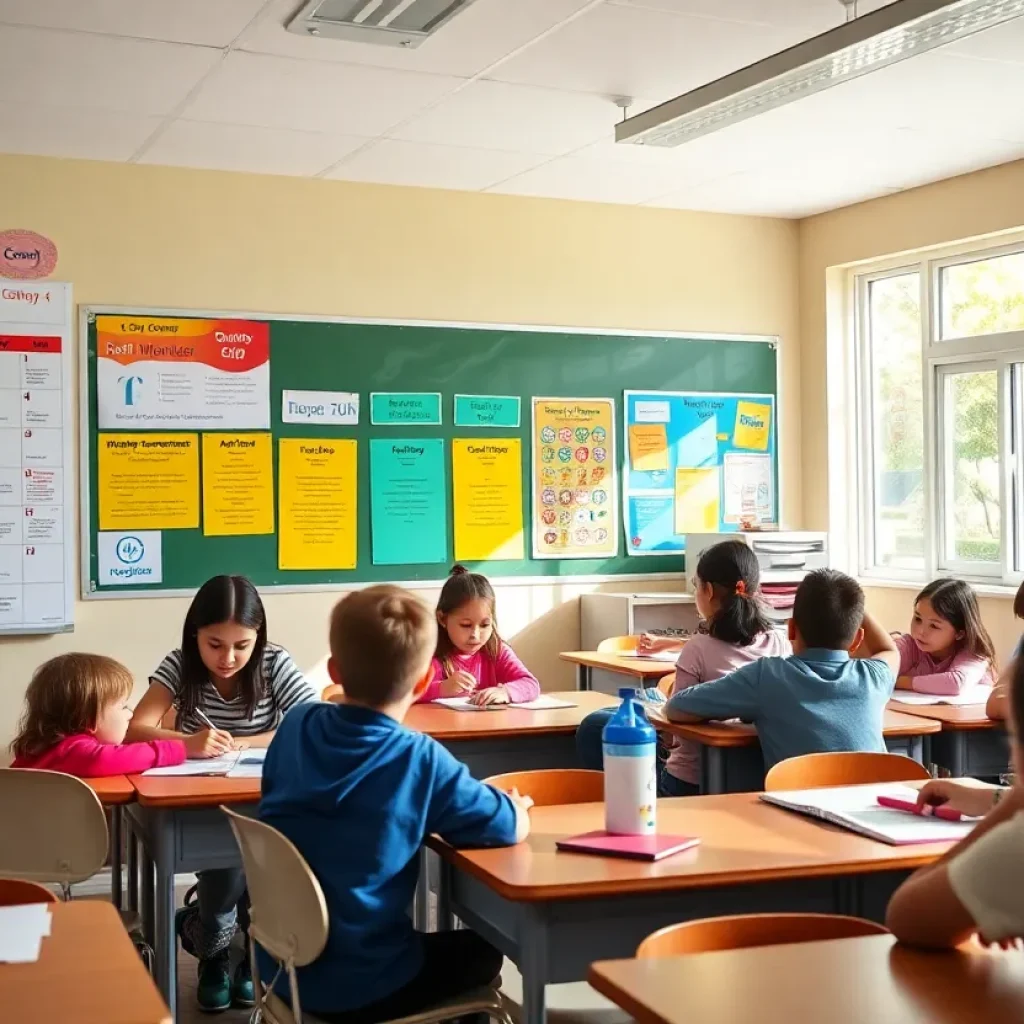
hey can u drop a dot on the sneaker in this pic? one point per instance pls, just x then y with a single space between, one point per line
214 989
242 993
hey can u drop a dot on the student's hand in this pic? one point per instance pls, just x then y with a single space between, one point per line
458 684
209 743
904 683
524 803
968 796
1007 943
648 644
492 695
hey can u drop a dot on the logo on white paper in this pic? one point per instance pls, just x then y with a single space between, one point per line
131 388
130 558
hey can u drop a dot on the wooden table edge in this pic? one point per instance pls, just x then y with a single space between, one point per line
195 800
621 998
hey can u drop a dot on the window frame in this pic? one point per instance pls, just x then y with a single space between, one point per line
940 360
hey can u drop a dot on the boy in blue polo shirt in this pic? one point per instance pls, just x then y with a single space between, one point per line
358 793
821 698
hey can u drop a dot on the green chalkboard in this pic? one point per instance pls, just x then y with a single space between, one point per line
363 357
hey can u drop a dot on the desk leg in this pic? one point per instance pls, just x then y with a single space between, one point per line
915 748
166 944
713 764
959 754
115 856
132 852
445 918
146 892
584 677
534 968
421 899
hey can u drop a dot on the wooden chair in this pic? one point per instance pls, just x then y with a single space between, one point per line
618 644
331 691
288 918
550 786
666 682
816 771
742 931
15 892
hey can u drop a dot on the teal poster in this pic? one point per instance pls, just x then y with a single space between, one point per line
408 503
419 408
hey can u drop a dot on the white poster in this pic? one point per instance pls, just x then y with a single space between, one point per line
36 517
332 408
748 489
130 558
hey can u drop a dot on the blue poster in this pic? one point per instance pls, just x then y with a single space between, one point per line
696 463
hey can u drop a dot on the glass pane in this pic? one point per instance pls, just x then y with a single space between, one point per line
1017 490
894 312
971 421
983 297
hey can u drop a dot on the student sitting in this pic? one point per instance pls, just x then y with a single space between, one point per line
358 793
977 885
948 648
726 587
820 699
998 701
76 718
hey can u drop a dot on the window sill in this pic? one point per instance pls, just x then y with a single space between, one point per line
981 589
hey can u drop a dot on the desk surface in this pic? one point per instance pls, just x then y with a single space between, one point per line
113 790
445 724
950 717
193 790
742 840
845 981
87 972
637 668
737 734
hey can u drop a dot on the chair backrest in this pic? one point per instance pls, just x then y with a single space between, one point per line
331 691
288 916
15 892
54 827
744 930
615 644
554 785
814 771
666 682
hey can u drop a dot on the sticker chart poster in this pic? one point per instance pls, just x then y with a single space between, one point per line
148 481
238 485
487 489
159 373
696 463
317 514
408 502
574 488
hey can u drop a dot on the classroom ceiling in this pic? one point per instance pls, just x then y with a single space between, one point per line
512 96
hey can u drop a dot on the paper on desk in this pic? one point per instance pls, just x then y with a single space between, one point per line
669 657
22 930
249 764
542 703
976 695
199 766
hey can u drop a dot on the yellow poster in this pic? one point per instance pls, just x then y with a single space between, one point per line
317 504
648 447
238 485
753 426
697 500
148 481
575 494
487 490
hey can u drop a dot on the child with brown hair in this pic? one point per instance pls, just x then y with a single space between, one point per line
998 705
76 719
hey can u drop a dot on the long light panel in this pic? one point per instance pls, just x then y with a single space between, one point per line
903 29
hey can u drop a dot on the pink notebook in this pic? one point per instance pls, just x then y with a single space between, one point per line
606 844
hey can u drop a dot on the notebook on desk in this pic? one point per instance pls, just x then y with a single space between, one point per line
977 695
607 844
541 703
856 808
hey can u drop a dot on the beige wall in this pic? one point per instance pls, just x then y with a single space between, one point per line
152 236
983 203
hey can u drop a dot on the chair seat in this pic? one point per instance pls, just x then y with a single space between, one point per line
572 1003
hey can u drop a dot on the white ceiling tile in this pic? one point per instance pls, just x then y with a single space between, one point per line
83 134
232 147
392 162
482 34
816 15
515 118
210 22
73 70
279 92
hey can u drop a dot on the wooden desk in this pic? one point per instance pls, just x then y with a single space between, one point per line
730 754
87 972
845 981
554 913
636 671
114 792
970 743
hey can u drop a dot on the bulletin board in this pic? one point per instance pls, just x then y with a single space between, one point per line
429 375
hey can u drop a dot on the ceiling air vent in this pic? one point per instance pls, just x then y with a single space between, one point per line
384 22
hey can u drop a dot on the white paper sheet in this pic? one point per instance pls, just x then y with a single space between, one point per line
542 703
969 698
199 766
22 930
669 657
249 765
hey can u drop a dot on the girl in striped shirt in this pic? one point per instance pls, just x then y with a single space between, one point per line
225 675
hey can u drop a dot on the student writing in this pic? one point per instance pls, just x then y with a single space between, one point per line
358 793
76 718
948 648
820 699
471 659
227 672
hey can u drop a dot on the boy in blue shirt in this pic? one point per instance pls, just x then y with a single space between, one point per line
821 698
358 793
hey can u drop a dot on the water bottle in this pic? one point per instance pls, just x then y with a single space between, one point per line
630 770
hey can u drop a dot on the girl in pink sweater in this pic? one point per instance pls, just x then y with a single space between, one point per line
948 648
471 660
76 718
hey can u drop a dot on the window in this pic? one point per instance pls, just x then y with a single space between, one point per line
939 388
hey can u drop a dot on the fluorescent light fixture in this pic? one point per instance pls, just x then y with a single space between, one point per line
903 29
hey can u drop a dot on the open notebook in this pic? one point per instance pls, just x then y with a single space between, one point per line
973 696
856 808
542 703
241 764
669 657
